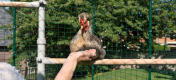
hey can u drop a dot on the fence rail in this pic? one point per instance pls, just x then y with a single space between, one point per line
19 4
114 61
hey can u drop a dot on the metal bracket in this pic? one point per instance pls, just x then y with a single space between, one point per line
42 3
39 60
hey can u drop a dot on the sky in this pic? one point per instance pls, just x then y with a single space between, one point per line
4 0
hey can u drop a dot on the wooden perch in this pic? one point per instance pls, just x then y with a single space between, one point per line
19 4
114 61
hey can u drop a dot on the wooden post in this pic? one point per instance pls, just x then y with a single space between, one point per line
19 4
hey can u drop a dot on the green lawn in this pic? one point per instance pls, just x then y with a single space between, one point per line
128 74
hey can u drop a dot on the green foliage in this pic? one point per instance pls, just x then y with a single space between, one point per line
118 22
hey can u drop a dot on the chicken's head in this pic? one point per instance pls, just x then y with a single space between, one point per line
84 21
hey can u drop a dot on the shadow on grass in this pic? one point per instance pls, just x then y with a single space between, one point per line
163 77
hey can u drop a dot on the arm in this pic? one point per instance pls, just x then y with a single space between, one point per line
70 64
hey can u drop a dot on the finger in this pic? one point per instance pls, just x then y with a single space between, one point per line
85 59
89 53
92 50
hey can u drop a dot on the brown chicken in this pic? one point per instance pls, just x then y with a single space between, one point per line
85 39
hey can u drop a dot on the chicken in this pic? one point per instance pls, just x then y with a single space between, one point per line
85 39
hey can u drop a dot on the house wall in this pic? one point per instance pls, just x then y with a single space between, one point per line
170 42
4 56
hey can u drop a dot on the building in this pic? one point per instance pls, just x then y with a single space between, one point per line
5 19
167 41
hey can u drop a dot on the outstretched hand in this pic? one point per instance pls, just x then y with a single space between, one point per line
70 64
84 55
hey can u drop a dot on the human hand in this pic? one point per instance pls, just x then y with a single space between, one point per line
70 64
84 55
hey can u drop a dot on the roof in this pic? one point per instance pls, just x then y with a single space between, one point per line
164 40
4 34
5 18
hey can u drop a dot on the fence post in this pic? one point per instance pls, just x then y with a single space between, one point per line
150 35
14 34
93 25
41 41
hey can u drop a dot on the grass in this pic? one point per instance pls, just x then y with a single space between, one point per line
128 74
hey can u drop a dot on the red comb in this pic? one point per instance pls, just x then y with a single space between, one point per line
82 22
85 25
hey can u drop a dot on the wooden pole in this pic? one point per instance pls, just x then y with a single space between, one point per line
114 61
18 4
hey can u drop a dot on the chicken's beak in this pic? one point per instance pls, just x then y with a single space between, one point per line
82 27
